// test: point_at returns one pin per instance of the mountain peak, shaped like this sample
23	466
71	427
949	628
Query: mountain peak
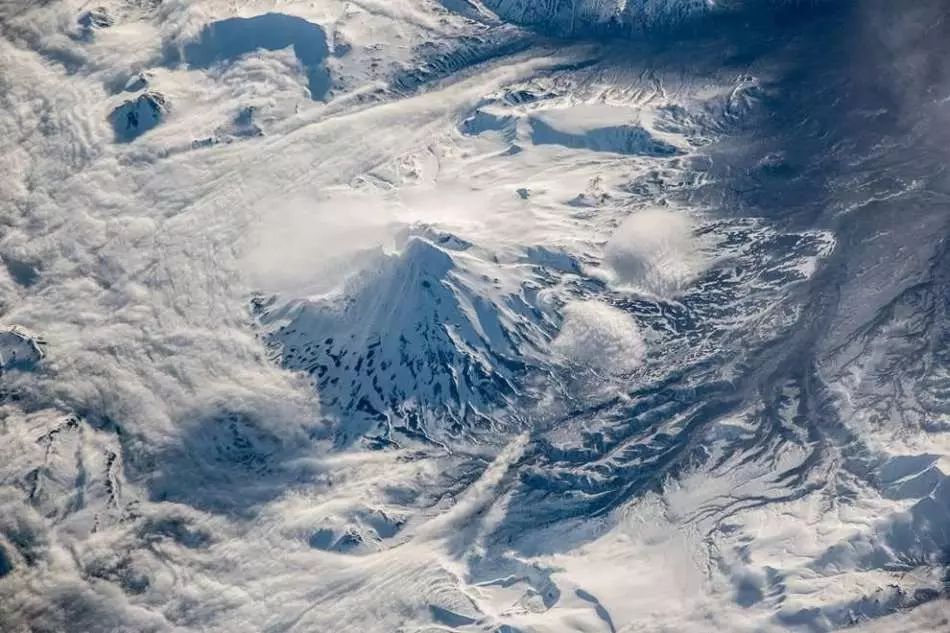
417	344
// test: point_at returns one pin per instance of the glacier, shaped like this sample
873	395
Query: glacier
509	316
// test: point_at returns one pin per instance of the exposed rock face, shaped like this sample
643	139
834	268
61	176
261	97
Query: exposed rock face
97	18
19	349
137	116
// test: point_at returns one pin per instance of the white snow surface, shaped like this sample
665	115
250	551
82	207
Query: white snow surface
280	357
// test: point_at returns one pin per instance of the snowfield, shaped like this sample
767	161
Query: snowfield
510	316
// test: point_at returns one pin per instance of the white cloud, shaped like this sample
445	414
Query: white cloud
599	337
655	250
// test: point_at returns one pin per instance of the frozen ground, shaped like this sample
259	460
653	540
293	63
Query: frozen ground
459	315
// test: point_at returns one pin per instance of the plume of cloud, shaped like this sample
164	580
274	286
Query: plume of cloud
655	250
599	337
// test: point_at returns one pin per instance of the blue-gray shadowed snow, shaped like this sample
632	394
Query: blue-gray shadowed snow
227	40
464	7
605	17
231	458
6	565
137	116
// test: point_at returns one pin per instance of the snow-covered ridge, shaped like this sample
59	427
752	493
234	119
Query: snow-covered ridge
19	348
592	19
573	16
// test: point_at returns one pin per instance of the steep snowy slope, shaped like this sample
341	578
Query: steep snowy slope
422	341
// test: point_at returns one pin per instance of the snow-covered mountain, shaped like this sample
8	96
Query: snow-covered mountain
423	342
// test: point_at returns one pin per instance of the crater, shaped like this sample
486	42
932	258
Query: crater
227	40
